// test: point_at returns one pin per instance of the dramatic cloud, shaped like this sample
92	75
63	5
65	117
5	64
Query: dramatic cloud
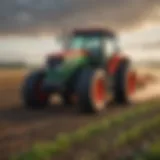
34	16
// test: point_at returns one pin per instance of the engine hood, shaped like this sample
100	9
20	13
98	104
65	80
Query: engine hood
71	61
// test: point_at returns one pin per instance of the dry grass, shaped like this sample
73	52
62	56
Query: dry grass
11	78
10	84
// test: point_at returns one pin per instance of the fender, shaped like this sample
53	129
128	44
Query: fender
114	62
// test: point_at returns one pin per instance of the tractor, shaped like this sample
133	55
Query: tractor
89	74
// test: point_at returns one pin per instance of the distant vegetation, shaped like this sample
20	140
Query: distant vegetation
13	65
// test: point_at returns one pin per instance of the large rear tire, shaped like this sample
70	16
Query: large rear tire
32	94
125	84
91	91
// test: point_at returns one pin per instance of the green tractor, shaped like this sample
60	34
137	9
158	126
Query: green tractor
88	74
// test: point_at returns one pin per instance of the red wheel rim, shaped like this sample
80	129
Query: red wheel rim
41	96
131	83
99	91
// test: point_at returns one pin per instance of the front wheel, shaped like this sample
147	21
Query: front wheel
32	94
92	91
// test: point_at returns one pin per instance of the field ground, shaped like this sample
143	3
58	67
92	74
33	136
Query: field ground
21	128
124	136
10	84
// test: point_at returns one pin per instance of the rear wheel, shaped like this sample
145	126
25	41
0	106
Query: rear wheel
33	95
91	91
125	84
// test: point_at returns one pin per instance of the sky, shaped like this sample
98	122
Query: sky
27	27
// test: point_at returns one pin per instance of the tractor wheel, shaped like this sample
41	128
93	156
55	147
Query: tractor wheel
33	95
125	84
91	91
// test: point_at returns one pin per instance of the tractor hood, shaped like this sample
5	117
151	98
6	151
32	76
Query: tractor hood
65	64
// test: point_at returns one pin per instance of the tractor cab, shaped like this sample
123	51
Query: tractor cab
98	43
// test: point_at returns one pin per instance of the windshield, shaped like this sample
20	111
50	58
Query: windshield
84	42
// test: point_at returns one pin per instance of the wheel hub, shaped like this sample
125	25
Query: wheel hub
98	92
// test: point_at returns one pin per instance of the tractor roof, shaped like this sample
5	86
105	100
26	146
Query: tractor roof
96	31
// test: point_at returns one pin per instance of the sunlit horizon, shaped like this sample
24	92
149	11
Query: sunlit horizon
33	49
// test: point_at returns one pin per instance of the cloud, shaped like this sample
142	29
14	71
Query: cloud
34	16
145	46
155	45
